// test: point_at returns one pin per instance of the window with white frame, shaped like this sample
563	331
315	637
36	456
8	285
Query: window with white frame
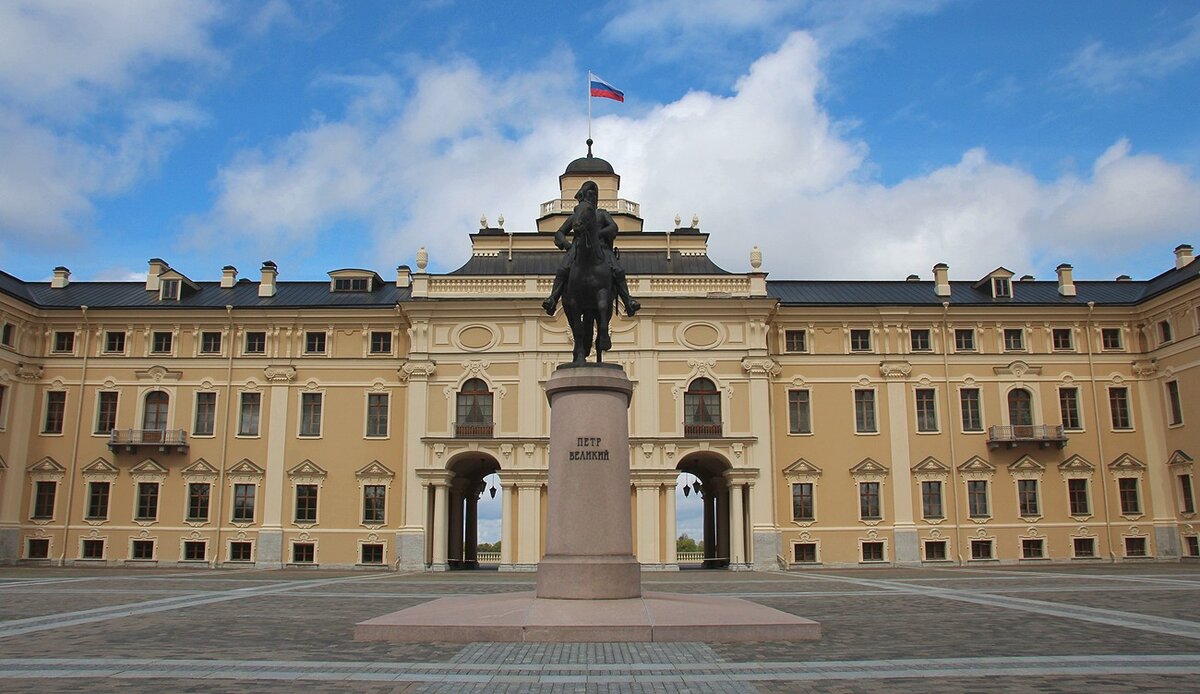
1028	503
799	412
972	413
205	421
377	415
1068	405
1174	404
310	414
1118	406
864	411
926	406
249	414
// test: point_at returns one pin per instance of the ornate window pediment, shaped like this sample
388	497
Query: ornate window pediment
374	470
307	472
976	468
148	471
200	468
1026	466
245	471
868	470
802	471
46	469
1178	458
1076	465
100	470
930	469
1127	466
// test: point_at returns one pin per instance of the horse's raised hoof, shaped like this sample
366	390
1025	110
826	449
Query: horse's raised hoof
632	307
603	343
548	306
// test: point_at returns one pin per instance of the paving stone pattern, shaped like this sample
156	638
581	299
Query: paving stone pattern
1051	629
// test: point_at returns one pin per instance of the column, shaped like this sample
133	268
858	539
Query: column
764	531
671	530
440	531
907	550
737	529
471	541
1161	482
529	526
410	537
508	493
270	538
647	517
721	504
12	481
710	525
454	547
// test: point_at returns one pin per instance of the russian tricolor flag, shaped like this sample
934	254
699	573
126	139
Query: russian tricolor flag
604	90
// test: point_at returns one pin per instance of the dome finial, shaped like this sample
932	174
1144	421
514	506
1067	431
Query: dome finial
589	144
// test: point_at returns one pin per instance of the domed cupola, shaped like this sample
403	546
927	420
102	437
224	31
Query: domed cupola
627	214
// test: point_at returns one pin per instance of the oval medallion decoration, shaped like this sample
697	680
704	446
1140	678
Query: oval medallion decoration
476	337
701	335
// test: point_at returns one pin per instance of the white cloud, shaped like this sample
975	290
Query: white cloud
1100	69
766	165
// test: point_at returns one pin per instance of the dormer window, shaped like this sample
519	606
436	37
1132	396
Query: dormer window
168	290
1001	288
998	282
354	280
352	284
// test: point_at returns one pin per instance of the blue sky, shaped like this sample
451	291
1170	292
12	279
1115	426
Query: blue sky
849	140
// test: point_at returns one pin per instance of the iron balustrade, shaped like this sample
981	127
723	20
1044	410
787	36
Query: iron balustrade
705	430
474	430
1012	434
133	438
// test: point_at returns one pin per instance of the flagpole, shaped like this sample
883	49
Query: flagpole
589	100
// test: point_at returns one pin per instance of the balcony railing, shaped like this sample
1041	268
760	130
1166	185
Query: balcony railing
707	430
1042	434
472	430
132	439
613	205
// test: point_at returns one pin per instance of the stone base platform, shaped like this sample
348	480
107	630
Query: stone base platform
524	617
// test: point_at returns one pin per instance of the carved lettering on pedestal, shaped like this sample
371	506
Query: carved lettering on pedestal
588	448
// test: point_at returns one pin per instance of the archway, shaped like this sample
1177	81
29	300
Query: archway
704	472
466	486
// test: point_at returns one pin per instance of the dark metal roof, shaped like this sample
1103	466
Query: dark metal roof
905	293
546	263
589	165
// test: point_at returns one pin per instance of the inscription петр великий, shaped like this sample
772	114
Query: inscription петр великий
592	442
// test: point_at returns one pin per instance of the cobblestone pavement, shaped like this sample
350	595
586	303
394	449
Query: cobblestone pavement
1046	629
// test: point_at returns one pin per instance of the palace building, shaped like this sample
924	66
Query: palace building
254	421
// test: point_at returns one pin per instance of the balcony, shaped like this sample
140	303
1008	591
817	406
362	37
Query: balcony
613	205
702	430
1044	435
130	440
474	430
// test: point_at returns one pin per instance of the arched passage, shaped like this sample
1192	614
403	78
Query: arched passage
708	469
466	485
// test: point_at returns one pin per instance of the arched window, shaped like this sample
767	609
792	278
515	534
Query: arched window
474	411
702	409
1020	407
154	417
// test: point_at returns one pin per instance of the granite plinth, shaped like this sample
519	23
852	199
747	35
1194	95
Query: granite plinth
524	617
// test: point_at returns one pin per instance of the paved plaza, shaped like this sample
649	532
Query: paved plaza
1097	628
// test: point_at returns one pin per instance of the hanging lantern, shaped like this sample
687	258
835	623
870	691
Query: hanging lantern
696	486
492	491
686	490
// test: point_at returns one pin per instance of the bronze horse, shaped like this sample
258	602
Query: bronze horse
588	295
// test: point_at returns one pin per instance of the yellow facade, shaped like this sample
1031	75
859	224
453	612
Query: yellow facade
854	447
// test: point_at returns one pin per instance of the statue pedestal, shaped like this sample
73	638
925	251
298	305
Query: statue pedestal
589	536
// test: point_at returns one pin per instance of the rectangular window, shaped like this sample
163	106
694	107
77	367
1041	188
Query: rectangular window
977	498
919	340
97	505
935	550
374	504
240	551
169	290
864	412
1164	332
37	548
43	500
1062	339
795	340
1118	405
1033	549
1014	340
256	342
351	284
381	342
1068	406
377	414
860	340
868	501
160	343
1027	498
804	553
964	340
6	335
803	508
243	503
799	414
114	342
142	550
972	415
198	495
303	552
872	551
194	550
106	412
1085	547
1192	543
1174	404
64	341
310	414
314	342
1110	339
1127	492
1001	288
306	503
147	501
1135	547
981	549
250	411
92	549
56	407
3	394
206	414
1077	497
927	420
931	500
371	553
210	342
1187	500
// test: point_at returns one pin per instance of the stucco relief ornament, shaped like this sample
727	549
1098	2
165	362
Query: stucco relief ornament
29	372
895	369
769	367
280	374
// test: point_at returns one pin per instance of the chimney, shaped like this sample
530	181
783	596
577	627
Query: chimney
228	276
1124	278
157	267
270	271
62	277
1183	256
941	279
403	276
1066	280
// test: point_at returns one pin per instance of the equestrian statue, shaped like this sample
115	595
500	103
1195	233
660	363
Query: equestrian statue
590	278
